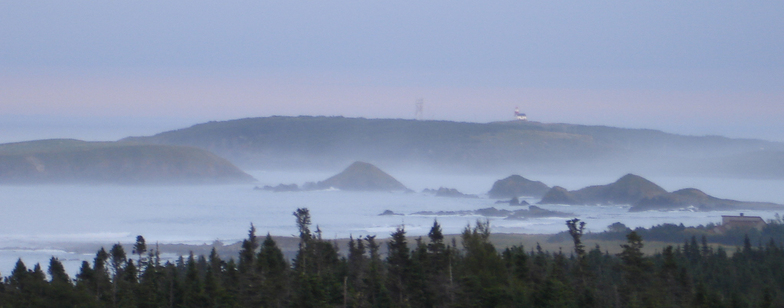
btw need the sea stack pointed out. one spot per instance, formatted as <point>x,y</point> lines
<point>362,176</point>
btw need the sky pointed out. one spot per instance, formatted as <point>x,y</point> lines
<point>103,70</point>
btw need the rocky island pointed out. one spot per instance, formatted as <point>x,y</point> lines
<point>531,212</point>
<point>692,198</point>
<point>627,190</point>
<point>448,192</point>
<point>643,195</point>
<point>359,176</point>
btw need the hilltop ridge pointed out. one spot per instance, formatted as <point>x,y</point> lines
<point>307,142</point>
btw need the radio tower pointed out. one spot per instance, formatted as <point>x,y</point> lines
<point>420,106</point>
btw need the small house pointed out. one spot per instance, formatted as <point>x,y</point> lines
<point>742,222</point>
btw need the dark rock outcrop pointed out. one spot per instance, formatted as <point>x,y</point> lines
<point>537,212</point>
<point>488,212</point>
<point>280,188</point>
<point>531,212</point>
<point>513,201</point>
<point>559,195</point>
<point>492,212</point>
<point>445,213</point>
<point>627,190</point>
<point>691,198</point>
<point>516,186</point>
<point>361,176</point>
<point>448,192</point>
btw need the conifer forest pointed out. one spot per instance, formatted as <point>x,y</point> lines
<point>421,272</point>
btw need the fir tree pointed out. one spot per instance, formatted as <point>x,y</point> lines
<point>483,272</point>
<point>379,294</point>
<point>249,279</point>
<point>193,289</point>
<point>274,271</point>
<point>439,267</point>
<point>398,262</point>
<point>117,261</point>
<point>636,271</point>
<point>139,248</point>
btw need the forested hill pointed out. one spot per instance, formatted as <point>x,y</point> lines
<point>74,161</point>
<point>327,142</point>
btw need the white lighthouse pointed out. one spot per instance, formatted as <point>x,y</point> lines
<point>520,116</point>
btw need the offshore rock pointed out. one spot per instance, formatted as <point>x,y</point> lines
<point>361,176</point>
<point>516,186</point>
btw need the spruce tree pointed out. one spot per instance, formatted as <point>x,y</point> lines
<point>213,280</point>
<point>274,271</point>
<point>86,277</point>
<point>57,271</point>
<point>231,282</point>
<point>636,272</point>
<point>398,262</point>
<point>102,283</point>
<point>317,276</point>
<point>249,279</point>
<point>139,248</point>
<point>582,280</point>
<point>379,294</point>
<point>193,289</point>
<point>248,251</point>
<point>18,279</point>
<point>417,287</point>
<point>483,272</point>
<point>117,261</point>
<point>37,286</point>
<point>439,280</point>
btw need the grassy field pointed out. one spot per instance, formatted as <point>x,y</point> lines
<point>289,245</point>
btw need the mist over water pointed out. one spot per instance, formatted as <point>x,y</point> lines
<point>42,221</point>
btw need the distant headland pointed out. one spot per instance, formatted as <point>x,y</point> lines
<point>326,143</point>
<point>68,161</point>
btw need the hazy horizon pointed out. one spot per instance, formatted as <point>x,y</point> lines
<point>97,71</point>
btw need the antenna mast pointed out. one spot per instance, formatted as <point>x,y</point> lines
<point>420,106</point>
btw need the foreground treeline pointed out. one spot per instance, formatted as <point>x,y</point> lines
<point>425,273</point>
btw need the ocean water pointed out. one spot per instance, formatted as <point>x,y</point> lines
<point>38,222</point>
